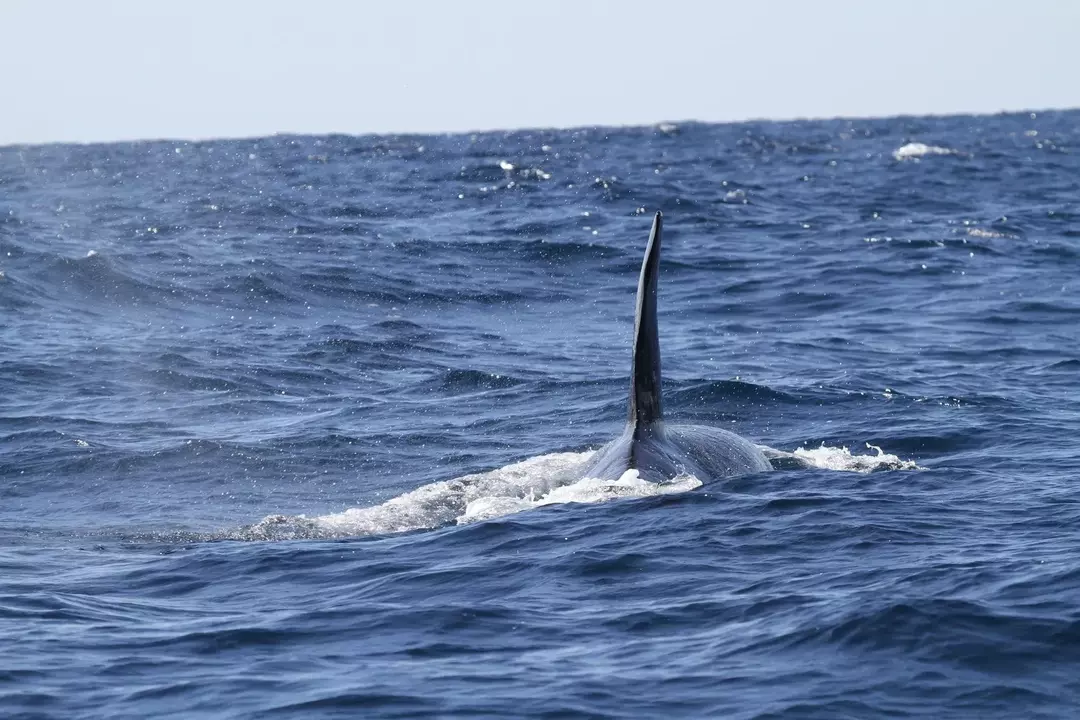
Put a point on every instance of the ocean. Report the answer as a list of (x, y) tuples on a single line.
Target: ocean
[(295, 426)]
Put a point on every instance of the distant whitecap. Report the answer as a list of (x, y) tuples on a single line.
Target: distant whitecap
[(916, 150)]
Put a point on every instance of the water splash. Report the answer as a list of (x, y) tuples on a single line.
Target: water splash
[(841, 458), (586, 490), (539, 481), (513, 487)]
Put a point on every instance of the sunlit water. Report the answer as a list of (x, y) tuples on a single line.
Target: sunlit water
[(298, 427)]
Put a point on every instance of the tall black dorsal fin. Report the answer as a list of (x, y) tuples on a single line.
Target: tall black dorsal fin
[(645, 408)]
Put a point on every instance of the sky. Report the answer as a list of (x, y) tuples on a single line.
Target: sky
[(138, 69)]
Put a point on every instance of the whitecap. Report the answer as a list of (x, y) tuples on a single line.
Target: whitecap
[(981, 233), (915, 150)]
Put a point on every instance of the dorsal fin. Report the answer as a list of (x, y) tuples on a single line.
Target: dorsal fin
[(645, 408)]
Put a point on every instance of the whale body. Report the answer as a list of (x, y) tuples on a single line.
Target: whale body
[(659, 451)]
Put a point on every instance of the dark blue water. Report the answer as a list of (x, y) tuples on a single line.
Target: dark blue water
[(289, 427)]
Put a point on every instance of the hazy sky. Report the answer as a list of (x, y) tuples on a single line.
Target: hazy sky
[(124, 69)]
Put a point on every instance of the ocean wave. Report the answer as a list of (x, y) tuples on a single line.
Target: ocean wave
[(462, 380), (713, 393), (958, 631), (104, 280), (334, 334)]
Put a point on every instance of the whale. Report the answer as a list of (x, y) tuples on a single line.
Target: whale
[(660, 451)]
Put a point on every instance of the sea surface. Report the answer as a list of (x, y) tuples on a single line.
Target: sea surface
[(295, 427)]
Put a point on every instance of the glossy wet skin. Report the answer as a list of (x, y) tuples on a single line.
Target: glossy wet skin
[(667, 451)]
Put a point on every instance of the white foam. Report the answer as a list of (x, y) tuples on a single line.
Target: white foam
[(486, 508), (539, 481), (840, 458), (536, 482), (586, 490), (989, 234), (917, 150), (436, 504)]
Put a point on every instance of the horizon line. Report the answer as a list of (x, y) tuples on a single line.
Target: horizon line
[(530, 128)]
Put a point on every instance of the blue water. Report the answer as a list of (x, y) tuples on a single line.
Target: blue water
[(289, 427)]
